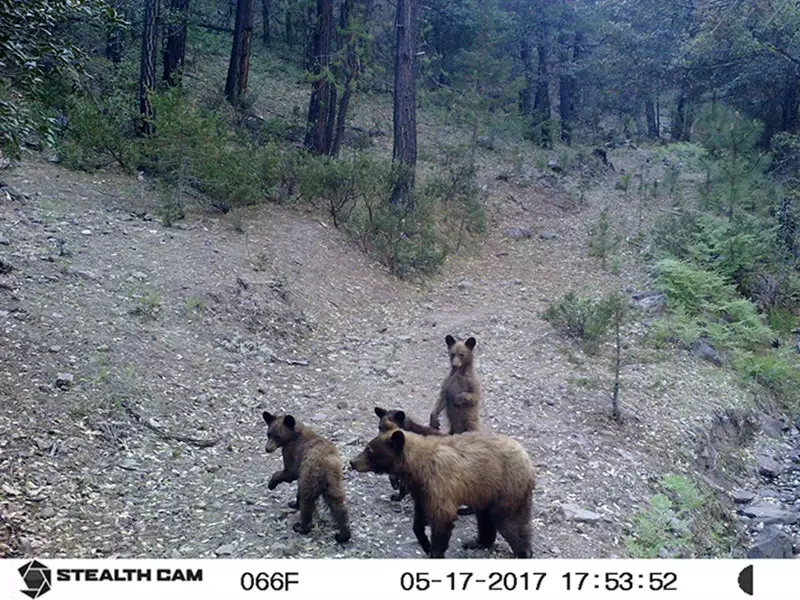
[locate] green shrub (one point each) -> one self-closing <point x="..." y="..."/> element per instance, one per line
<point x="602" y="239"/>
<point x="404" y="241"/>
<point x="453" y="189"/>
<point x="582" y="319"/>
<point x="679" y="523"/>
<point x="778" y="371"/>
<point x="201" y="149"/>
<point x="100" y="132"/>
<point x="703" y="302"/>
<point x="673" y="234"/>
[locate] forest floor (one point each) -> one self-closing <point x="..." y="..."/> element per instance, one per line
<point x="200" y="327"/>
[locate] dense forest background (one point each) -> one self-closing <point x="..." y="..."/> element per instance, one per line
<point x="394" y="121"/>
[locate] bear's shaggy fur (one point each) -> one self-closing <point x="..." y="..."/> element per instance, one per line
<point x="460" y="394"/>
<point x="489" y="472"/>
<point x="314" y="463"/>
<point x="397" y="418"/>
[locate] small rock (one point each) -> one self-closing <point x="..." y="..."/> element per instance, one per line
<point x="4" y="241"/>
<point x="90" y="275"/>
<point x="464" y="284"/>
<point x="224" y="550"/>
<point x="555" y="166"/>
<point x="102" y="348"/>
<point x="139" y="275"/>
<point x="771" y="543"/>
<point x="706" y="351"/>
<point x="341" y="405"/>
<point x="770" y="513"/>
<point x="319" y="417"/>
<point x="742" y="496"/>
<point x="518" y="233"/>
<point x="86" y="232"/>
<point x="547" y="235"/>
<point x="648" y="301"/>
<point x="768" y="467"/>
<point x="129" y="464"/>
<point x="64" y="380"/>
<point x="771" y="427"/>
<point x="797" y="424"/>
<point x="54" y="349"/>
<point x="212" y="468"/>
<point x="47" y="512"/>
<point x="573" y="512"/>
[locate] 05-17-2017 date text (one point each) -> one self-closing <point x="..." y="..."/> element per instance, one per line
<point x="509" y="581"/>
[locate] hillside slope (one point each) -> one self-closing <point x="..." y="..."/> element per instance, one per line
<point x="200" y="327"/>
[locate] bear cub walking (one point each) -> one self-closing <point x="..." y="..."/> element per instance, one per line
<point x="491" y="473"/>
<point x="314" y="463"/>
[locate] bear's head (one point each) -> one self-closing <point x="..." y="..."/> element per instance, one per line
<point x="461" y="353"/>
<point x="390" y="419"/>
<point x="282" y="430"/>
<point x="383" y="454"/>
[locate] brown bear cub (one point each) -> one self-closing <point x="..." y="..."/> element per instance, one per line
<point x="460" y="395"/>
<point x="390" y="419"/>
<point x="314" y="463"/>
<point x="491" y="473"/>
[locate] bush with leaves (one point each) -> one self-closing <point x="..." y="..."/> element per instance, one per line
<point x="582" y="319"/>
<point x="602" y="238"/>
<point x="453" y="189"/>
<point x="704" y="304"/>
<point x="680" y="522"/>
<point x="33" y="50"/>
<point x="227" y="169"/>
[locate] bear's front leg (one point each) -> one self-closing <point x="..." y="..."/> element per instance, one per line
<point x="419" y="527"/>
<point x="280" y="477"/>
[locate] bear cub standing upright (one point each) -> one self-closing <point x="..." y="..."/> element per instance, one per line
<point x="314" y="463"/>
<point x="460" y="395"/>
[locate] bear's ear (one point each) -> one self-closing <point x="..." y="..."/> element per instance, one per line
<point x="400" y="417"/>
<point x="381" y="412"/>
<point x="288" y="420"/>
<point x="398" y="440"/>
<point x="449" y="340"/>
<point x="269" y="418"/>
<point x="470" y="343"/>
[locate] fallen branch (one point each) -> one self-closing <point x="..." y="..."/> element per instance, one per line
<point x="201" y="443"/>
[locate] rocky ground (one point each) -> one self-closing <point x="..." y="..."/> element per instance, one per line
<point x="135" y="362"/>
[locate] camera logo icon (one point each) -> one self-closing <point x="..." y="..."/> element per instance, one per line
<point x="37" y="579"/>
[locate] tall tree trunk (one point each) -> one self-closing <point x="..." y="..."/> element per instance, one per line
<point x="350" y="73"/>
<point x="526" y="94"/>
<point x="309" y="32"/>
<point x="541" y="101"/>
<point x="567" y="85"/>
<point x="791" y="102"/>
<point x="147" y="73"/>
<point x="405" y="102"/>
<point x="265" y="21"/>
<point x="679" y="119"/>
<point x="175" y="45"/>
<point x="114" y="45"/>
<point x="288" y="28"/>
<point x="239" y="66"/>
<point x="650" y="114"/>
<point x="322" y="96"/>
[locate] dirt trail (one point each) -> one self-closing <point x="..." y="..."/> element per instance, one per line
<point x="196" y="327"/>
